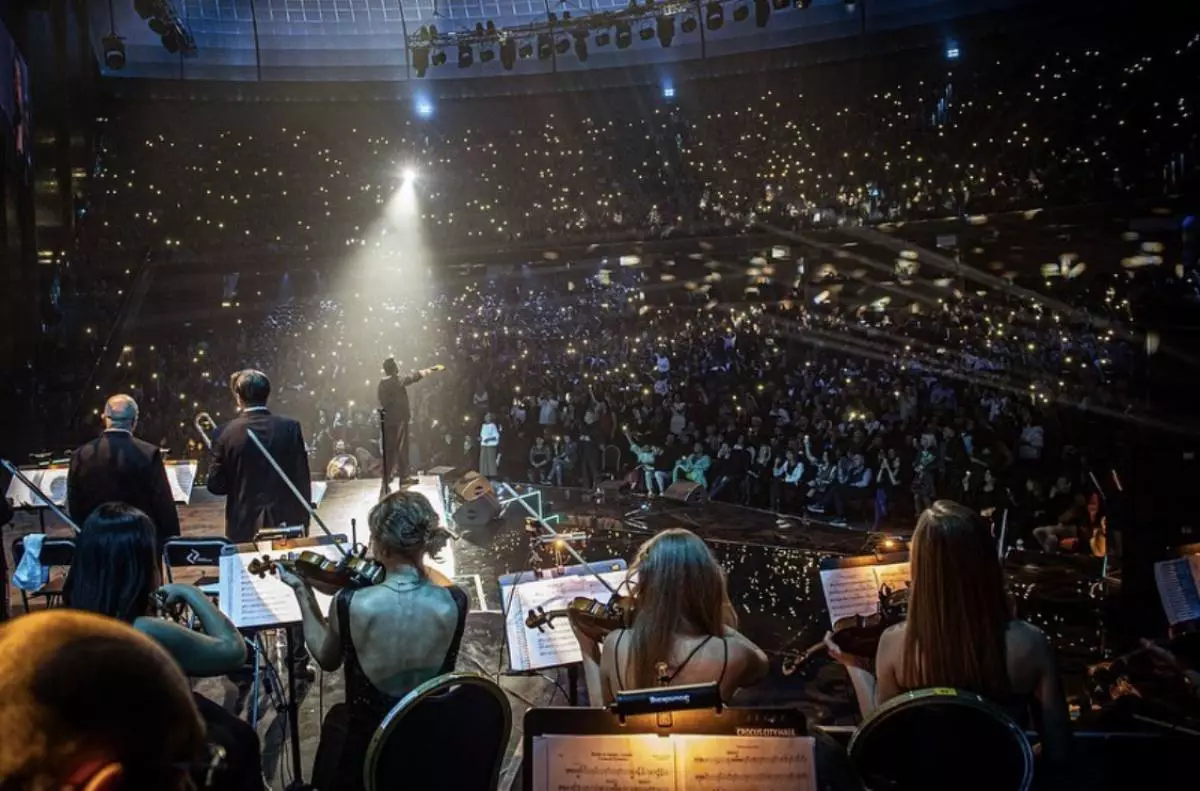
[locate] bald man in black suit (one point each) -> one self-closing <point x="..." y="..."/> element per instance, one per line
<point x="119" y="467"/>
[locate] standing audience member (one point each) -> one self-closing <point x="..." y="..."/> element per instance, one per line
<point x="539" y="460"/>
<point x="119" y="467"/>
<point x="88" y="703"/>
<point x="391" y="637"/>
<point x="489" y="447"/>
<point x="961" y="632"/>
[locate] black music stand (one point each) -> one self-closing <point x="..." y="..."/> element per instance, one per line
<point x="694" y="710"/>
<point x="293" y="633"/>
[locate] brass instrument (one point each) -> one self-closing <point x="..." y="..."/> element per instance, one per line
<point x="200" y="421"/>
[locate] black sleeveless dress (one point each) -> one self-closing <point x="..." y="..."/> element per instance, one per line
<point x="349" y="726"/>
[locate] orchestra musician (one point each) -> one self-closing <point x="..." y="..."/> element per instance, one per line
<point x="961" y="632"/>
<point x="256" y="497"/>
<point x="119" y="467"/>
<point x="393" y="398"/>
<point x="683" y="631"/>
<point x="391" y="637"/>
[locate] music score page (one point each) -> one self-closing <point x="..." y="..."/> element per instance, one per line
<point x="855" y="590"/>
<point x="252" y="601"/>
<point x="649" y="762"/>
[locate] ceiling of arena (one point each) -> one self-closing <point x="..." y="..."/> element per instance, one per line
<point x="364" y="40"/>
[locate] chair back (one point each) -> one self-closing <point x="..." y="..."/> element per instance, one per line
<point x="450" y="732"/>
<point x="941" y="739"/>
<point x="55" y="552"/>
<point x="183" y="552"/>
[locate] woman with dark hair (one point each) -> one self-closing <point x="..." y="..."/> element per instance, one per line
<point x="961" y="632"/>
<point x="116" y="573"/>
<point x="684" y="630"/>
<point x="391" y="637"/>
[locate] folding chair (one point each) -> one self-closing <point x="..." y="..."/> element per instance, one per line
<point x="195" y="552"/>
<point x="56" y="553"/>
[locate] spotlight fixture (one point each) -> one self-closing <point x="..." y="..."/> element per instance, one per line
<point x="164" y="19"/>
<point x="114" y="52"/>
<point x="603" y="39"/>
<point x="624" y="35"/>
<point x="802" y="4"/>
<point x="487" y="55"/>
<point x="420" y="60"/>
<point x="562" y="46"/>
<point x="666" y="29"/>
<point x="491" y="28"/>
<point x="762" y="13"/>
<point x="525" y="50"/>
<point x="646" y="33"/>
<point x="508" y="53"/>
<point x="850" y="4"/>
<point x="545" y="46"/>
<point x="714" y="16"/>
<point x="581" y="43"/>
<point x="741" y="12"/>
<point x="465" y="56"/>
<point x="781" y="4"/>
<point x="439" y="58"/>
<point x="689" y="24"/>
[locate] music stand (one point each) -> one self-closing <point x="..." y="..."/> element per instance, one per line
<point x="292" y="628"/>
<point x="664" y="733"/>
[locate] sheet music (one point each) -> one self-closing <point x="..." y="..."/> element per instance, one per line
<point x="530" y="649"/>
<point x="649" y="762"/>
<point x="744" y="763"/>
<point x="181" y="475"/>
<point x="51" y="480"/>
<point x="855" y="590"/>
<point x="1178" y="583"/>
<point x="252" y="601"/>
<point x="644" y="762"/>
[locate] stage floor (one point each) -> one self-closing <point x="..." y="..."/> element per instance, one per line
<point x="771" y="562"/>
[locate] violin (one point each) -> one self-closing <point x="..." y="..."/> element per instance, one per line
<point x="324" y="574"/>
<point x="592" y="617"/>
<point x="859" y="635"/>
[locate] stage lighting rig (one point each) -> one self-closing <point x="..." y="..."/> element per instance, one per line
<point x="689" y="25"/>
<point x="164" y="19"/>
<point x="562" y="46"/>
<point x="508" y="52"/>
<point x="762" y="12"/>
<point x="741" y="12"/>
<point x="646" y="33"/>
<point x="624" y="35"/>
<point x="466" y="56"/>
<point x="545" y="46"/>
<point x="581" y="43"/>
<point x="603" y="38"/>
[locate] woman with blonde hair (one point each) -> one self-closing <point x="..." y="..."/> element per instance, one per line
<point x="683" y="629"/>
<point x="390" y="637"/>
<point x="961" y="632"/>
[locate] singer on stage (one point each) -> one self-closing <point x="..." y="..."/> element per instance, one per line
<point x="393" y="399"/>
<point x="256" y="496"/>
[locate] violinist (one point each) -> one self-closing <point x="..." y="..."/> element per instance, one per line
<point x="961" y="632"/>
<point x="391" y="637"/>
<point x="683" y="629"/>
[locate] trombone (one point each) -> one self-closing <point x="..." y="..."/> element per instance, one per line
<point x="205" y="425"/>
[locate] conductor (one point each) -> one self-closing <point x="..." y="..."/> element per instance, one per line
<point x="256" y="496"/>
<point x="393" y="399"/>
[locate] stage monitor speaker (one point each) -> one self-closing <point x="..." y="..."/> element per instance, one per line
<point x="476" y="513"/>
<point x="473" y="486"/>
<point x="687" y="492"/>
<point x="617" y="486"/>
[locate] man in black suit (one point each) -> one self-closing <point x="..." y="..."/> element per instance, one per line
<point x="393" y="398"/>
<point x="257" y="498"/>
<point x="119" y="467"/>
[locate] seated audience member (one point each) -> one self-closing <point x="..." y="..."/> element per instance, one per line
<point x="391" y="637"/>
<point x="1079" y="530"/>
<point x="694" y="467"/>
<point x="684" y="631"/>
<point x="961" y="632"/>
<point x="116" y="573"/>
<point x="88" y="703"/>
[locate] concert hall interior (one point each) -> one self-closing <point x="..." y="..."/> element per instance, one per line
<point x="745" y="394"/>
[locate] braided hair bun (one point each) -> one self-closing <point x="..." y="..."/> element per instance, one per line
<point x="403" y="523"/>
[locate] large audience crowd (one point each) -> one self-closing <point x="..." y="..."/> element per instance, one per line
<point x="753" y="380"/>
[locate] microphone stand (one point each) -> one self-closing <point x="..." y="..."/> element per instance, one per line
<point x="40" y="494"/>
